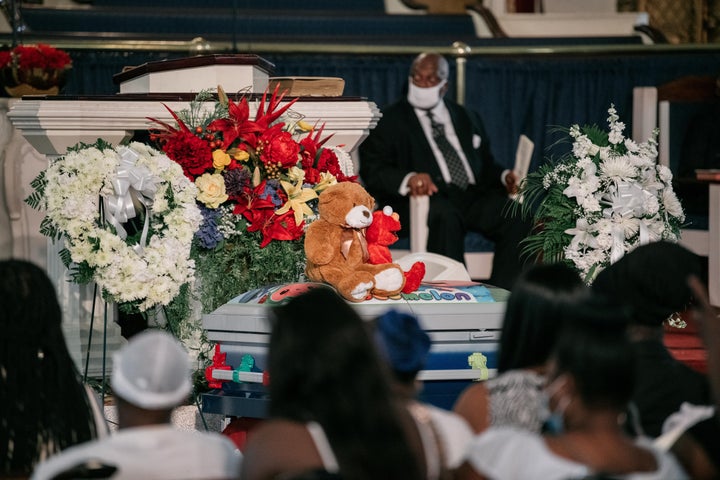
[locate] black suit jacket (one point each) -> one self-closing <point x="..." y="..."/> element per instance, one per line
<point x="398" y="146"/>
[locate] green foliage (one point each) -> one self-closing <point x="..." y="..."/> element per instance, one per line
<point x="241" y="265"/>
<point x="100" y="144"/>
<point x="37" y="198"/>
<point x="539" y="204"/>
<point x="198" y="115"/>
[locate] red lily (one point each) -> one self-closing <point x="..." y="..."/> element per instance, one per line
<point x="278" y="227"/>
<point x="265" y="117"/>
<point x="169" y="130"/>
<point x="252" y="199"/>
<point x="237" y="125"/>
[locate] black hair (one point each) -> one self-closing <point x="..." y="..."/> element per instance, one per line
<point x="324" y="367"/>
<point x="44" y="407"/>
<point x="593" y="347"/>
<point x="532" y="315"/>
<point x="651" y="280"/>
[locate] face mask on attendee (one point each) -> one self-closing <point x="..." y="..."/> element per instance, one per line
<point x="425" y="98"/>
<point x="555" y="419"/>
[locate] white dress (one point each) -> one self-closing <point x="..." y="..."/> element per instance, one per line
<point x="507" y="453"/>
<point x="445" y="436"/>
<point x="454" y="433"/>
<point x="152" y="453"/>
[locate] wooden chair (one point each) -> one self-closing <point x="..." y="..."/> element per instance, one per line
<point x="652" y="109"/>
<point x="479" y="263"/>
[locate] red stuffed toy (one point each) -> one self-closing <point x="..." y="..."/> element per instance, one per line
<point x="380" y="235"/>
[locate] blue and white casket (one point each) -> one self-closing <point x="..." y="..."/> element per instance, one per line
<point x="462" y="320"/>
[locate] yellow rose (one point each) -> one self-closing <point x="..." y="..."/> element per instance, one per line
<point x="220" y="160"/>
<point x="239" y="155"/>
<point x="212" y="189"/>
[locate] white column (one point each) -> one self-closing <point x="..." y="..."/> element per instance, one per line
<point x="714" y="250"/>
<point x="20" y="163"/>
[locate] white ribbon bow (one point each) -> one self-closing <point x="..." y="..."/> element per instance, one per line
<point x="626" y="200"/>
<point x="132" y="183"/>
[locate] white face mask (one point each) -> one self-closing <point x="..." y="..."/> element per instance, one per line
<point x="554" y="419"/>
<point x="424" y="98"/>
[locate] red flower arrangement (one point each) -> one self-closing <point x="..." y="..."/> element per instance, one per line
<point x="40" y="66"/>
<point x="256" y="175"/>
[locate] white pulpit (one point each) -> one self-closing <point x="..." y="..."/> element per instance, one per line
<point x="52" y="124"/>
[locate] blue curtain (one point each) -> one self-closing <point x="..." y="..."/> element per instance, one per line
<point x="533" y="95"/>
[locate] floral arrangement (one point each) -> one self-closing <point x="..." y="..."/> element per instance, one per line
<point x="601" y="200"/>
<point x="127" y="216"/>
<point x="257" y="183"/>
<point x="40" y="66"/>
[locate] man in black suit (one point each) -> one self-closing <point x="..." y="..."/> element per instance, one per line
<point x="414" y="150"/>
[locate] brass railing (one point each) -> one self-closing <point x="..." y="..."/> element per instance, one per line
<point x="459" y="51"/>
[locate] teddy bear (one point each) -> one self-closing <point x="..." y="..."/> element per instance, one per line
<point x="380" y="235"/>
<point x="336" y="249"/>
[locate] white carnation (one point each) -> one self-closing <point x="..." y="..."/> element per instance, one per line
<point x="672" y="204"/>
<point x="148" y="274"/>
<point x="664" y="173"/>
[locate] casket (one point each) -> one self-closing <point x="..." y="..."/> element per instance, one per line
<point x="462" y="320"/>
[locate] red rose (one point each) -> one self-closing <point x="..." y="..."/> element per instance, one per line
<point x="328" y="162"/>
<point x="312" y="175"/>
<point x="279" y="147"/>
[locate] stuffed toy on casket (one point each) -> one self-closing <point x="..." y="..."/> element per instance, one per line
<point x="336" y="249"/>
<point x="382" y="233"/>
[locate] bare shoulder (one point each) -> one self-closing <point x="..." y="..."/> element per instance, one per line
<point x="473" y="406"/>
<point x="278" y="446"/>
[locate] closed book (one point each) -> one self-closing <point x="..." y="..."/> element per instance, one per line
<point x="309" y="86"/>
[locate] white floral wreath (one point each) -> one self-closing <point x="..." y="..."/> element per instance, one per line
<point x="89" y="196"/>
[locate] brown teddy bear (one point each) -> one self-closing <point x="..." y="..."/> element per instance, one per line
<point x="336" y="248"/>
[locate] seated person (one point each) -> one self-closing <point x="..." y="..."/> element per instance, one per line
<point x="332" y="409"/>
<point x="150" y="377"/>
<point x="590" y="382"/>
<point x="405" y="346"/>
<point x="651" y="282"/>
<point x="427" y="145"/>
<point x="655" y="290"/>
<point x="530" y="326"/>
<point x="44" y="407"/>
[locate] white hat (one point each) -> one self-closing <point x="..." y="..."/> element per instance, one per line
<point x="152" y="371"/>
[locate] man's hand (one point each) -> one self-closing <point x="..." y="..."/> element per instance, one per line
<point x="421" y="184"/>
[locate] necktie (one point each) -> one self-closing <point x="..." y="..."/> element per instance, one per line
<point x="458" y="175"/>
